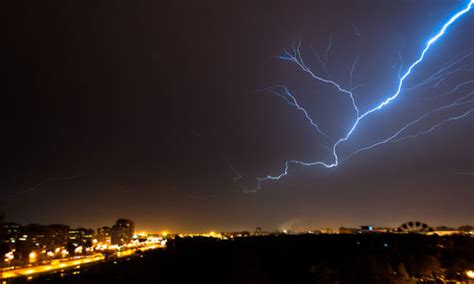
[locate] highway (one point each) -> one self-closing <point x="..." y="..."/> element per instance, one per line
<point x="56" y="265"/>
<point x="31" y="270"/>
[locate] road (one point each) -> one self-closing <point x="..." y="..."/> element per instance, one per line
<point x="29" y="271"/>
<point x="68" y="264"/>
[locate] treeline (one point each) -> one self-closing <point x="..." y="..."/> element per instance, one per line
<point x="363" y="258"/>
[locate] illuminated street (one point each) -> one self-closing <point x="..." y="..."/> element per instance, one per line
<point x="32" y="270"/>
<point x="64" y="264"/>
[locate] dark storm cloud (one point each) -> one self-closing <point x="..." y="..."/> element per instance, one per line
<point x="157" y="104"/>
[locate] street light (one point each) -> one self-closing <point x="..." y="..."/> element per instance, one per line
<point x="9" y="257"/>
<point x="470" y="274"/>
<point x="33" y="257"/>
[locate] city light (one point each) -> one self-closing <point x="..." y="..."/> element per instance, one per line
<point x="33" y="257"/>
<point x="57" y="247"/>
<point x="470" y="274"/>
<point x="50" y="259"/>
<point x="9" y="257"/>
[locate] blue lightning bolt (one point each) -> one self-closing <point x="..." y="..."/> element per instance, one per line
<point x="457" y="87"/>
<point x="393" y="139"/>
<point x="429" y="130"/>
<point x="295" y="56"/>
<point x="442" y="74"/>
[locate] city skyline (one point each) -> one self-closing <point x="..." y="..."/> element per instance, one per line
<point x="36" y="252"/>
<point x="295" y="226"/>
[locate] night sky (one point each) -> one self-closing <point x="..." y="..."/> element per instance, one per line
<point x="153" y="110"/>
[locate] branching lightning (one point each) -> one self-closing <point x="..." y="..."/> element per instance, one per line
<point x="465" y="100"/>
<point x="291" y="100"/>
<point x="435" y="80"/>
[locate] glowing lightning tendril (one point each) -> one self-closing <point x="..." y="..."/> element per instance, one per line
<point x="295" y="57"/>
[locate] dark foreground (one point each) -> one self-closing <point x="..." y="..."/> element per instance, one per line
<point x="381" y="258"/>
